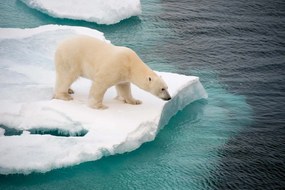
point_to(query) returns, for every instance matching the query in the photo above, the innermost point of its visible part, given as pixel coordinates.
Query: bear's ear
(149, 79)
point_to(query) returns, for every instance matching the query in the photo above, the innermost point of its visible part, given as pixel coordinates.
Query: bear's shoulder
(127, 52)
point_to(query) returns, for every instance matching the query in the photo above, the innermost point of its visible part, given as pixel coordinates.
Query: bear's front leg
(124, 92)
(96, 95)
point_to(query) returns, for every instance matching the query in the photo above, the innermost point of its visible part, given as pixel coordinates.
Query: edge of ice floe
(190, 92)
(16, 33)
(180, 100)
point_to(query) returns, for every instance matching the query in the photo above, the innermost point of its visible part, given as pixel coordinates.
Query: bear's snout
(166, 96)
(166, 99)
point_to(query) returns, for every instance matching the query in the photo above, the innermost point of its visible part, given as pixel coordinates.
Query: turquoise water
(232, 140)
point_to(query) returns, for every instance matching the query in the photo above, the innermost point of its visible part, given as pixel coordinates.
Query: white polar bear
(106, 65)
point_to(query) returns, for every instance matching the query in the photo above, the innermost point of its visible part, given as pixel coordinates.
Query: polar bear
(105, 65)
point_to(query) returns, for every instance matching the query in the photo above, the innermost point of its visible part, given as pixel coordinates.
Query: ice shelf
(53, 133)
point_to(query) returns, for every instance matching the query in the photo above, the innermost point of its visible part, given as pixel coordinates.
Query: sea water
(232, 140)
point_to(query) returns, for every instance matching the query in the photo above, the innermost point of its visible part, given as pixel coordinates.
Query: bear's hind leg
(62, 90)
(124, 92)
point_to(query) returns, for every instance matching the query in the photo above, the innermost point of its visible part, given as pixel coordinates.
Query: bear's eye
(163, 89)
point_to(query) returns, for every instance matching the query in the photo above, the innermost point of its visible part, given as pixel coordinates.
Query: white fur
(106, 65)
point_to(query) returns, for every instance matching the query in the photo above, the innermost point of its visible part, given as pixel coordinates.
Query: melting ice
(99, 11)
(26, 83)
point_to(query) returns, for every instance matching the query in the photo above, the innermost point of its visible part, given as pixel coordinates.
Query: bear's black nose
(166, 99)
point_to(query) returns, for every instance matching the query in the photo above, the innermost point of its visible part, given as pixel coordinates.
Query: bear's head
(158, 87)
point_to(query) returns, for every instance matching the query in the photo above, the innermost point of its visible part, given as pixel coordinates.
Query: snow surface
(26, 83)
(99, 11)
(2, 131)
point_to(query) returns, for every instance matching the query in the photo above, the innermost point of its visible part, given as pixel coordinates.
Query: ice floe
(54, 133)
(99, 11)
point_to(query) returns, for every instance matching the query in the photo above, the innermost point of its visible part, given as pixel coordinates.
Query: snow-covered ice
(26, 83)
(99, 11)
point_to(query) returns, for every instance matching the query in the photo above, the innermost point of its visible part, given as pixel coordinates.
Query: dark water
(235, 139)
(244, 41)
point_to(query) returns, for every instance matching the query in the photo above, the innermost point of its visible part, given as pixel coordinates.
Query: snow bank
(26, 83)
(99, 11)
